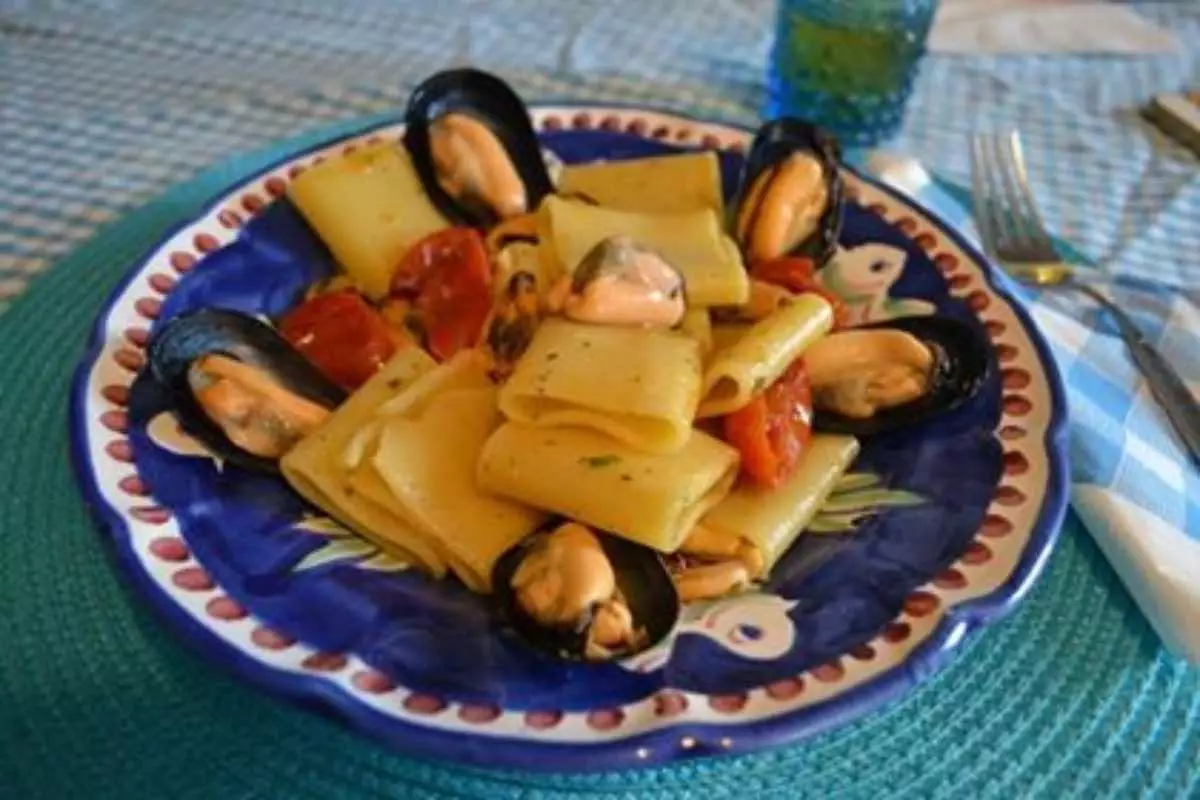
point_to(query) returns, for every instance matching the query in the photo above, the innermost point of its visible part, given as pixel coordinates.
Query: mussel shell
(773, 143)
(964, 360)
(491, 101)
(181, 341)
(642, 578)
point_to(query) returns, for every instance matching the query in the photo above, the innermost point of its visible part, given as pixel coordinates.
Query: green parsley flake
(600, 461)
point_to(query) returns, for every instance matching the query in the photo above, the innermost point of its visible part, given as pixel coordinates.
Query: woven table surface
(105, 105)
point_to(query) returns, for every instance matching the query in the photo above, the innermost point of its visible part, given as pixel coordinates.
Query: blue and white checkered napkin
(1134, 485)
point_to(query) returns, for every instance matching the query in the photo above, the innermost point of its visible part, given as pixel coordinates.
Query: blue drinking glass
(847, 65)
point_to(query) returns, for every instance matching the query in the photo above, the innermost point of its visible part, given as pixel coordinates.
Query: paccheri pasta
(640, 387)
(657, 185)
(693, 242)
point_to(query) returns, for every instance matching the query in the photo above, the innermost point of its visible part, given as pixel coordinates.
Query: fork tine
(995, 200)
(1025, 200)
(984, 194)
(1029, 241)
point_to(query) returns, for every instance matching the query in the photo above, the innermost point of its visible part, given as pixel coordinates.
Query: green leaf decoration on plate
(857, 496)
(344, 546)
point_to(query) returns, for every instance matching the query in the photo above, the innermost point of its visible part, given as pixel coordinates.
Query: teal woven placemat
(1068, 697)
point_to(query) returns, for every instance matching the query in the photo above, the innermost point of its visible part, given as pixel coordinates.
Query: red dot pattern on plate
(296, 171)
(1015, 378)
(958, 281)
(543, 720)
(132, 485)
(1016, 405)
(831, 672)
(170, 548)
(373, 140)
(373, 682)
(277, 186)
(682, 135)
(921, 604)
(995, 526)
(229, 219)
(161, 282)
(253, 203)
(117, 395)
(1015, 463)
(1011, 432)
(978, 301)
(946, 263)
(192, 579)
(478, 715)
(152, 515)
(120, 449)
(270, 639)
(906, 225)
(206, 242)
(424, 704)
(637, 127)
(139, 337)
(581, 121)
(182, 262)
(977, 553)
(129, 359)
(736, 147)
(710, 141)
(852, 194)
(324, 662)
(785, 689)
(668, 703)
(661, 132)
(926, 241)
(994, 328)
(552, 124)
(896, 632)
(878, 209)
(1005, 352)
(862, 652)
(950, 579)
(225, 608)
(605, 719)
(148, 307)
(1009, 496)
(115, 421)
(348, 150)
(728, 703)
(610, 123)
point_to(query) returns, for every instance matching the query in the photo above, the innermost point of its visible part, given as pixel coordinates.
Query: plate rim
(671, 742)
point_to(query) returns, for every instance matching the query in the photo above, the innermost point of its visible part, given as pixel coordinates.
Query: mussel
(579, 595)
(513, 323)
(876, 378)
(238, 387)
(620, 282)
(474, 148)
(790, 196)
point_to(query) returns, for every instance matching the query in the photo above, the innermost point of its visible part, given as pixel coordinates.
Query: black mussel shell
(964, 359)
(642, 579)
(773, 143)
(491, 101)
(182, 340)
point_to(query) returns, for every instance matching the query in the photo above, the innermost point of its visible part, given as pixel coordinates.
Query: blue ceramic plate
(937, 530)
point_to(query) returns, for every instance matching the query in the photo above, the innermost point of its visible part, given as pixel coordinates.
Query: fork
(1014, 234)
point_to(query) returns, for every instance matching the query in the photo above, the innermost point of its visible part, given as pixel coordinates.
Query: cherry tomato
(449, 277)
(799, 275)
(773, 430)
(341, 335)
